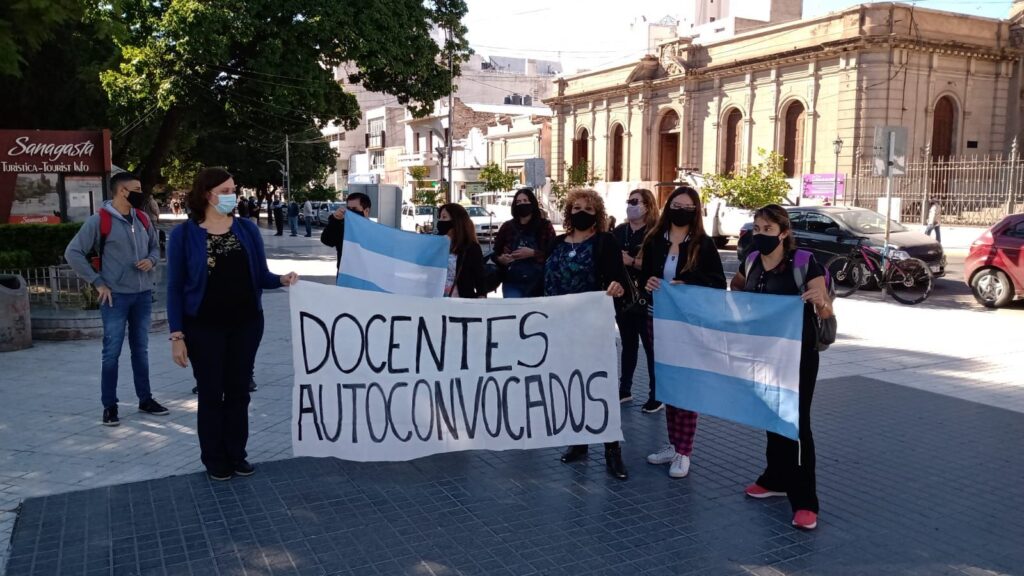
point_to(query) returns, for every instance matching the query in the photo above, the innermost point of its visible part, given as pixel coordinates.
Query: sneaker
(625, 397)
(652, 406)
(756, 491)
(110, 416)
(252, 385)
(680, 466)
(218, 475)
(153, 407)
(805, 520)
(662, 456)
(243, 468)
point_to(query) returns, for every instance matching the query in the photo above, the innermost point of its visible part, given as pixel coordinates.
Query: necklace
(572, 245)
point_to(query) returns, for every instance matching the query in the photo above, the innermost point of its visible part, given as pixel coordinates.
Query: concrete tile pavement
(51, 440)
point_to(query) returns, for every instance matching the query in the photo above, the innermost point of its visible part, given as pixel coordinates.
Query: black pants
(222, 359)
(279, 221)
(790, 463)
(633, 331)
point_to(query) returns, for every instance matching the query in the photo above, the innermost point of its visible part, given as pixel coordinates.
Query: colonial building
(514, 140)
(954, 81)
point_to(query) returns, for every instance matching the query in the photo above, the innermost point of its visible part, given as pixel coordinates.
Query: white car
(486, 223)
(418, 218)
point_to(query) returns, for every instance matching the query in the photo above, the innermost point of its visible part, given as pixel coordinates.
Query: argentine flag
(734, 355)
(382, 259)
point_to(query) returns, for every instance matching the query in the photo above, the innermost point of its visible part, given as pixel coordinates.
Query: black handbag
(826, 331)
(634, 300)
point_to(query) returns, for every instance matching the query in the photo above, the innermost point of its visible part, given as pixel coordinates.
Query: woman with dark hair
(790, 469)
(466, 259)
(641, 216)
(217, 271)
(677, 250)
(520, 244)
(585, 259)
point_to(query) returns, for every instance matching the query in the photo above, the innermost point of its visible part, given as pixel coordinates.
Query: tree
(421, 194)
(223, 82)
(496, 180)
(578, 175)
(26, 25)
(755, 186)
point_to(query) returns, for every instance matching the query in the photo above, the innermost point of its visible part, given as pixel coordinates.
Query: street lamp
(837, 145)
(284, 173)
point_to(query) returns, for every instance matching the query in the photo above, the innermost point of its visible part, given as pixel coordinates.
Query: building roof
(510, 109)
(518, 65)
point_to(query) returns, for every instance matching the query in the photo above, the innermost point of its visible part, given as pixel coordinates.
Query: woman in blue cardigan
(217, 271)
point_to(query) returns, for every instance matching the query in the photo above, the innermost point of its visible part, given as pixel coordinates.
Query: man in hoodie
(124, 280)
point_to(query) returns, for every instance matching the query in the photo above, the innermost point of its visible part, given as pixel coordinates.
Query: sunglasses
(633, 201)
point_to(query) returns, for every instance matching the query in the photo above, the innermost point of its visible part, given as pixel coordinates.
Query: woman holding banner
(519, 246)
(466, 259)
(770, 270)
(585, 259)
(217, 271)
(678, 250)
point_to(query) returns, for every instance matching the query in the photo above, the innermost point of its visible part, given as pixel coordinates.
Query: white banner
(382, 377)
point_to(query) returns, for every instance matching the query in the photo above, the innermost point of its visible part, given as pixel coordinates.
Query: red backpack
(106, 223)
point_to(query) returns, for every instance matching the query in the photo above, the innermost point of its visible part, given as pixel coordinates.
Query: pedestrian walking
(641, 216)
(278, 210)
(465, 259)
(790, 463)
(584, 259)
(217, 271)
(307, 216)
(520, 244)
(678, 250)
(934, 221)
(116, 251)
(293, 217)
(333, 234)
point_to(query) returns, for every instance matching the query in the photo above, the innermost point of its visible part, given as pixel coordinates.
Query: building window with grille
(375, 133)
(376, 159)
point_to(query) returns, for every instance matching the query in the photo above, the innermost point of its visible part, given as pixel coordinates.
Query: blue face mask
(226, 203)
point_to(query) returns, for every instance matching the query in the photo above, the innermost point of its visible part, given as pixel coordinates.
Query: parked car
(418, 218)
(325, 210)
(994, 268)
(486, 223)
(830, 230)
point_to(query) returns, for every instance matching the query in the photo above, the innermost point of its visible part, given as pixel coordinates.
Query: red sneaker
(805, 520)
(756, 491)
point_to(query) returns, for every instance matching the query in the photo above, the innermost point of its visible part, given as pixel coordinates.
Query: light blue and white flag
(382, 259)
(734, 355)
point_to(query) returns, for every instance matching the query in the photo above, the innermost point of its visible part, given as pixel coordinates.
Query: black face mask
(137, 200)
(444, 227)
(765, 244)
(681, 216)
(522, 210)
(583, 220)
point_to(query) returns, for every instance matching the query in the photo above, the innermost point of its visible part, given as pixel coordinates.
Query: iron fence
(57, 287)
(977, 191)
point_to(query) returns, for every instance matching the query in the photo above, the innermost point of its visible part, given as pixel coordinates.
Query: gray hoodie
(125, 246)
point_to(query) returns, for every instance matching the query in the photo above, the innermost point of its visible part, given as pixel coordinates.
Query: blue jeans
(293, 223)
(133, 311)
(938, 232)
(309, 225)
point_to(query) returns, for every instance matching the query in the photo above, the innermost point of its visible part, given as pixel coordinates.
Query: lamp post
(837, 145)
(284, 173)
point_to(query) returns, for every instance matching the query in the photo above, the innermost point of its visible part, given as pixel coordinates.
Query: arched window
(793, 140)
(943, 129)
(581, 148)
(617, 139)
(731, 156)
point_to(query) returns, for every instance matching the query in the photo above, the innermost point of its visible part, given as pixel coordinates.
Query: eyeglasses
(689, 208)
(633, 201)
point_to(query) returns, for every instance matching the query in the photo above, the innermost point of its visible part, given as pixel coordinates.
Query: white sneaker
(680, 466)
(663, 455)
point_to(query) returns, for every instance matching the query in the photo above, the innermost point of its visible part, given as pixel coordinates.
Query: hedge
(44, 243)
(15, 259)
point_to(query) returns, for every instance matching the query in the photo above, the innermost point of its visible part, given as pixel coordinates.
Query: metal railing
(57, 287)
(977, 190)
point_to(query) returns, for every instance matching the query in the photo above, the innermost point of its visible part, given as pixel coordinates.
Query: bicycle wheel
(848, 274)
(909, 281)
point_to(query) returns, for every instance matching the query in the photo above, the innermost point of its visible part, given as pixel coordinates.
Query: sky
(589, 34)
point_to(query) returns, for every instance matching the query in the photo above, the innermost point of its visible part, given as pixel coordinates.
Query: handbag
(826, 332)
(634, 300)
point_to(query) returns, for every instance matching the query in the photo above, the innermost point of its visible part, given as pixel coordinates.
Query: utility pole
(451, 112)
(287, 171)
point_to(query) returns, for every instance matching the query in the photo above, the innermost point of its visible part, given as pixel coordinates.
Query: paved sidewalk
(51, 441)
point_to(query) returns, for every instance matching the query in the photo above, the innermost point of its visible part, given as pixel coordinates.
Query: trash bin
(15, 320)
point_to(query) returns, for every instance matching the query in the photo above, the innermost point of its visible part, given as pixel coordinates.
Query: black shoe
(110, 416)
(613, 461)
(153, 407)
(243, 468)
(218, 475)
(195, 389)
(308, 236)
(292, 235)
(625, 396)
(574, 453)
(278, 234)
(652, 406)
(252, 385)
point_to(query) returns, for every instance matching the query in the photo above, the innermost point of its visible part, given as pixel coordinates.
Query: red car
(994, 268)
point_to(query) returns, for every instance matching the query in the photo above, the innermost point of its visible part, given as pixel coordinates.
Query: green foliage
(421, 194)
(25, 25)
(497, 180)
(317, 193)
(15, 259)
(577, 176)
(757, 185)
(45, 243)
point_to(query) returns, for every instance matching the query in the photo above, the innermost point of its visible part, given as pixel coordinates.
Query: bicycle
(908, 280)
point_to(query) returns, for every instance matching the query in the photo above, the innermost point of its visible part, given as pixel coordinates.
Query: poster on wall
(84, 196)
(36, 200)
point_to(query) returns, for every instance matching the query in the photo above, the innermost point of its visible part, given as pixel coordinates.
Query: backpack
(825, 328)
(106, 224)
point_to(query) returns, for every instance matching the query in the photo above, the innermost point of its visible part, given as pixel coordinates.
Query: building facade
(516, 139)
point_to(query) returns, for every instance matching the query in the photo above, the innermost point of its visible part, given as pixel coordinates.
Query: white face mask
(635, 213)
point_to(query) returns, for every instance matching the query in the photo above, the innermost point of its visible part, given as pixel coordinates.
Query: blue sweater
(186, 268)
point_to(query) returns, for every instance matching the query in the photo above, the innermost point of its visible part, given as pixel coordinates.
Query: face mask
(635, 213)
(681, 216)
(444, 227)
(136, 199)
(583, 220)
(765, 244)
(522, 210)
(226, 203)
